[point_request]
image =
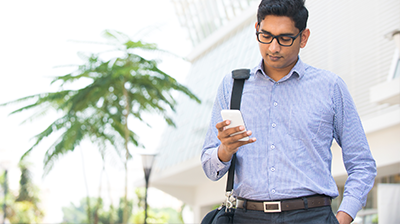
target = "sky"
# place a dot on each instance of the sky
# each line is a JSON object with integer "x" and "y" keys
{"x": 37, "y": 39}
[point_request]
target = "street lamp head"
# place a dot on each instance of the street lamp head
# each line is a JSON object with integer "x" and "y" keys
{"x": 148, "y": 159}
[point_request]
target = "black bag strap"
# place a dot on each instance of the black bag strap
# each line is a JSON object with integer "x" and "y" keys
{"x": 239, "y": 76}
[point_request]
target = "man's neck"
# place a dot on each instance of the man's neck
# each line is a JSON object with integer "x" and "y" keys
{"x": 277, "y": 73}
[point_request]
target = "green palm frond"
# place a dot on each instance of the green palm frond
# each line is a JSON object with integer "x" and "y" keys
{"x": 47, "y": 132}
{"x": 118, "y": 89}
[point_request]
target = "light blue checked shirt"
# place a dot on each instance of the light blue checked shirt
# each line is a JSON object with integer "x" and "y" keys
{"x": 295, "y": 121}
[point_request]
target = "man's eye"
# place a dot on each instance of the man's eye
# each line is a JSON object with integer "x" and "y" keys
{"x": 265, "y": 36}
{"x": 285, "y": 38}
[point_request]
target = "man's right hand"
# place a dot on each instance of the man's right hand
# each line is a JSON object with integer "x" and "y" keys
{"x": 230, "y": 144}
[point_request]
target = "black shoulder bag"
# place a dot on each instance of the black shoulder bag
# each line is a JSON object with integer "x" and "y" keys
{"x": 225, "y": 213}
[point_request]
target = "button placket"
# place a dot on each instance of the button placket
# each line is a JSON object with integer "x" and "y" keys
{"x": 272, "y": 173}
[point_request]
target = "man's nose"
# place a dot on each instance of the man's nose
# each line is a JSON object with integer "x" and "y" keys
{"x": 274, "y": 46}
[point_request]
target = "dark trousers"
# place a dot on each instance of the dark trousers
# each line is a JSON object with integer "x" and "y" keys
{"x": 319, "y": 215}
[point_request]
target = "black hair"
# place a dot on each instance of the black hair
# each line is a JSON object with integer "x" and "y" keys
{"x": 293, "y": 9}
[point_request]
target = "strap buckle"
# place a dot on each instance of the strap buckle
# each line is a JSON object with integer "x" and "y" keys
{"x": 230, "y": 201}
{"x": 272, "y": 206}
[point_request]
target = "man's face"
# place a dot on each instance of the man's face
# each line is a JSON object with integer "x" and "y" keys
{"x": 277, "y": 57}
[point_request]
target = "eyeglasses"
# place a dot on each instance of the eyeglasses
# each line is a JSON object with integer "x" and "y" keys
{"x": 283, "y": 40}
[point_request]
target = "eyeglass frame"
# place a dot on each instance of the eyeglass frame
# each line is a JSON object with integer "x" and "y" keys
{"x": 277, "y": 37}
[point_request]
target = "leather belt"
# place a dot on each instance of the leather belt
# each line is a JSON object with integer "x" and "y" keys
{"x": 285, "y": 205}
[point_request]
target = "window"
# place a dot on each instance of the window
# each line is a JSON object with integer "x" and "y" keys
{"x": 394, "y": 71}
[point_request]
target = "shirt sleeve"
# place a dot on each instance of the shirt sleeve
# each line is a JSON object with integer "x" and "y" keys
{"x": 213, "y": 167}
{"x": 357, "y": 157}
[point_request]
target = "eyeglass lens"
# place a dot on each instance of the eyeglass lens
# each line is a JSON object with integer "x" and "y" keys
{"x": 282, "y": 40}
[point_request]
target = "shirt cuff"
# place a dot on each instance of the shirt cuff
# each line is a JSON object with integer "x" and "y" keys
{"x": 215, "y": 160}
{"x": 221, "y": 167}
{"x": 351, "y": 206}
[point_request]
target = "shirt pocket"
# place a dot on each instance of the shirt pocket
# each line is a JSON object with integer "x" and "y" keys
{"x": 305, "y": 124}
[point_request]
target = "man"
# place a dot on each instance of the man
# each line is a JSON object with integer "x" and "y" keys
{"x": 292, "y": 112}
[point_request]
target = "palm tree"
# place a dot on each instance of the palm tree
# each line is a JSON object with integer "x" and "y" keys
{"x": 120, "y": 89}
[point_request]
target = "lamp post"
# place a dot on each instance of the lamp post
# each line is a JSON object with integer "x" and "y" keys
{"x": 147, "y": 161}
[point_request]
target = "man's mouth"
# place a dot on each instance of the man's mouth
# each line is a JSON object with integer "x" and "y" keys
{"x": 274, "y": 57}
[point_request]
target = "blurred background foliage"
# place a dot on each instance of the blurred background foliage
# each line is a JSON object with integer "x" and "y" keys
{"x": 118, "y": 87}
{"x": 103, "y": 214}
{"x": 22, "y": 206}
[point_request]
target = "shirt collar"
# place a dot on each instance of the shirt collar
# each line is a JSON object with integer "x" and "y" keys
{"x": 298, "y": 70}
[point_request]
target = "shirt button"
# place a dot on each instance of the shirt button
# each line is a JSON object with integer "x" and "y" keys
{"x": 273, "y": 125}
{"x": 272, "y": 169}
{"x": 272, "y": 146}
{"x": 275, "y": 104}
{"x": 273, "y": 191}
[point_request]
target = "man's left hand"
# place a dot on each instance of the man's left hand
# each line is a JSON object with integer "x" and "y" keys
{"x": 344, "y": 218}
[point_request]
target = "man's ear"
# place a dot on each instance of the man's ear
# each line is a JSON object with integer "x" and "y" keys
{"x": 256, "y": 26}
{"x": 304, "y": 37}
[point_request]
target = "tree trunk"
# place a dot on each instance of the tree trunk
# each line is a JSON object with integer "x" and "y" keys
{"x": 96, "y": 210}
{"x": 125, "y": 212}
{"x": 127, "y": 108}
{"x": 111, "y": 201}
{"x": 87, "y": 190}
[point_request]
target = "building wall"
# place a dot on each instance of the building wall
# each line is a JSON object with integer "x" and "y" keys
{"x": 347, "y": 37}
{"x": 203, "y": 17}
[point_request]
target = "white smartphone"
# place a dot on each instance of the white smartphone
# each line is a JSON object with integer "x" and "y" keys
{"x": 235, "y": 116}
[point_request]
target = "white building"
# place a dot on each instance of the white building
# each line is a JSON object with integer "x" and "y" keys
{"x": 355, "y": 39}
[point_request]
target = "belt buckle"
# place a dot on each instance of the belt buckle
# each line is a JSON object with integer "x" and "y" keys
{"x": 276, "y": 206}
